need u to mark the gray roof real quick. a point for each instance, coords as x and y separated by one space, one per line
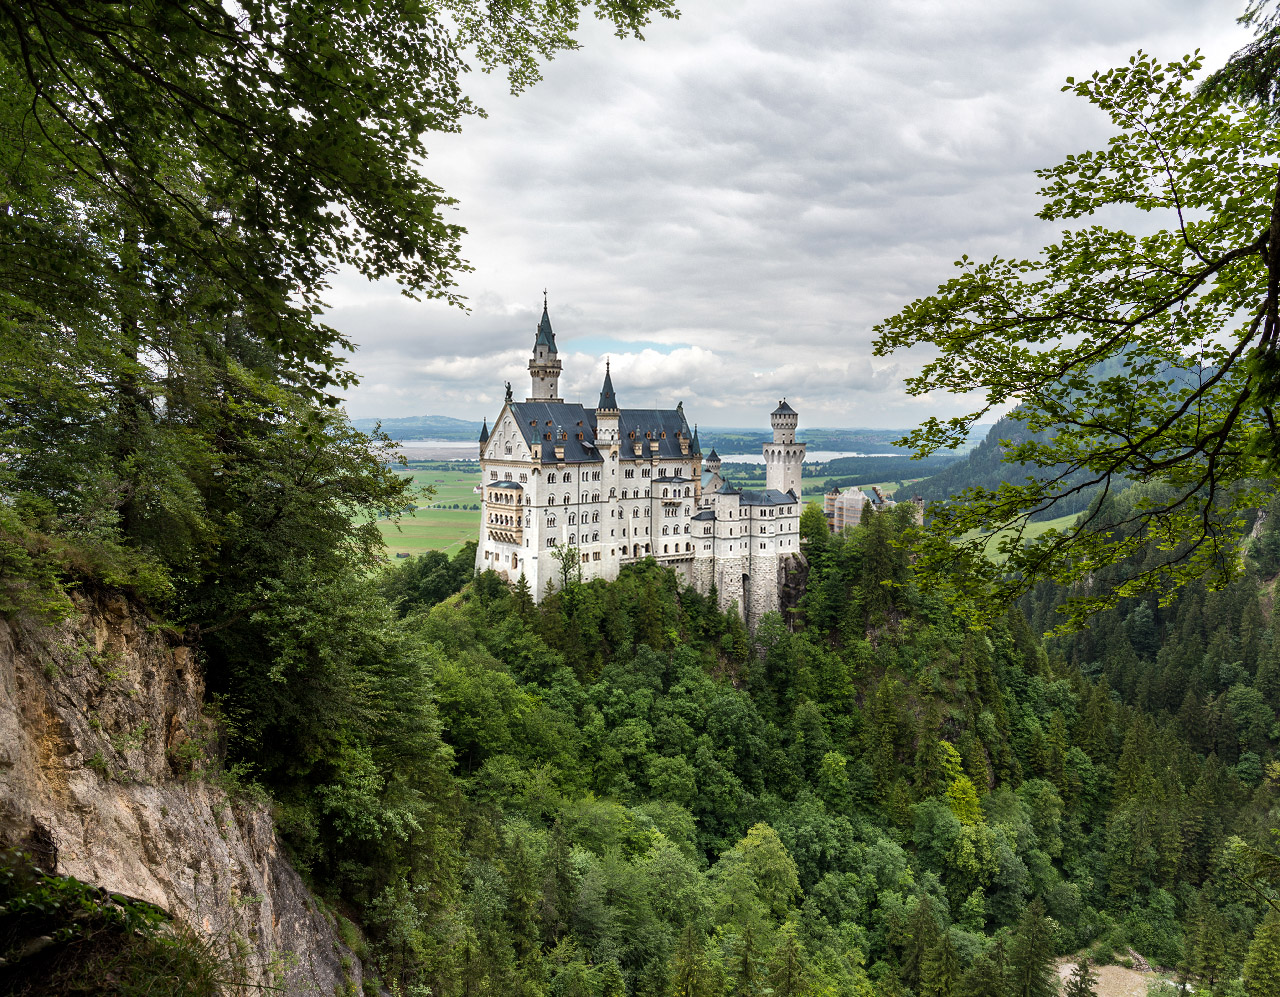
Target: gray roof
654 421
533 419
713 455
608 400
506 484
784 409
770 496
546 337
484 431
704 514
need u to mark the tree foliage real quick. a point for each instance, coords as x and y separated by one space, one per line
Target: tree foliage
1131 358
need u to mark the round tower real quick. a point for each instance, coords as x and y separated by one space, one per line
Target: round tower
784 457
544 365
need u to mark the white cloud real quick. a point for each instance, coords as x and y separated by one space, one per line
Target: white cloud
729 207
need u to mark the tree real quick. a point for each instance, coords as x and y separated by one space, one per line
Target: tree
1031 955
1150 359
941 974
1082 982
1262 964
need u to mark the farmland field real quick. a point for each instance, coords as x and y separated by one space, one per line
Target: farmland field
436 524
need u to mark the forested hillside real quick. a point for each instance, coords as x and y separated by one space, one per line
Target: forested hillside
618 791
984 467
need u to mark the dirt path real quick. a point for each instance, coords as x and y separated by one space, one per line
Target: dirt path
1113 981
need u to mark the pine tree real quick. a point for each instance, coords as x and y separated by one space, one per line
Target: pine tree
924 936
1210 963
788 968
1031 955
940 976
1262 965
989 974
1082 982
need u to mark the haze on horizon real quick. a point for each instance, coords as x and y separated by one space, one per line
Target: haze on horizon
726 209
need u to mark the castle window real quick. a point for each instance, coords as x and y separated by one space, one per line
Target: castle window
551 541
645 472
664 493
665 531
585 558
551 478
566 498
595 536
635 513
524 478
508 448
493 475
573 538
572 519
595 555
507 476
762 546
666 548
629 472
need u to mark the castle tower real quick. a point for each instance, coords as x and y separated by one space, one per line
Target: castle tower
784 456
544 366
607 412
484 435
712 463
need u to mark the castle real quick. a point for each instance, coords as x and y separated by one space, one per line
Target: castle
611 486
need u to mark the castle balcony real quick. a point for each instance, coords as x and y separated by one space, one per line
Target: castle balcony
504 535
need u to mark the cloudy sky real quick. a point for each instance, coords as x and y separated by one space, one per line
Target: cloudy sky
727 208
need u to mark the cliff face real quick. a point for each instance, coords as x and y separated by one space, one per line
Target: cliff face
102 752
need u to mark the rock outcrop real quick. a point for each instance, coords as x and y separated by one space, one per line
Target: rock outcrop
103 769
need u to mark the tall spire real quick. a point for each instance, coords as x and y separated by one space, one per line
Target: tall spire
546 337
608 400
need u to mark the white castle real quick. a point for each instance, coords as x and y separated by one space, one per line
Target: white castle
611 486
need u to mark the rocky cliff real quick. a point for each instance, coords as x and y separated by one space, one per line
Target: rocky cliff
104 768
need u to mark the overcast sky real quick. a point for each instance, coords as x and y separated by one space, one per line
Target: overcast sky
727 208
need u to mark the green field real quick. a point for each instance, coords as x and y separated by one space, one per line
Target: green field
435 524
1032 532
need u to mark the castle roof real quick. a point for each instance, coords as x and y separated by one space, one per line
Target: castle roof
546 337
770 496
704 514
608 400
484 431
783 409
713 455
655 422
538 420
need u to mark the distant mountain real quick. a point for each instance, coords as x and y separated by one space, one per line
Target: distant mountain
983 466
423 427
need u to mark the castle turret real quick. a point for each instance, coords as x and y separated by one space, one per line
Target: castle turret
544 365
607 413
784 457
712 463
484 435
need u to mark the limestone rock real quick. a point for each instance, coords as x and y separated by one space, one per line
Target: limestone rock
103 748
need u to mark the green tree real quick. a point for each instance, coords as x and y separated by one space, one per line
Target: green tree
940 976
1147 359
1082 982
1031 971
1262 964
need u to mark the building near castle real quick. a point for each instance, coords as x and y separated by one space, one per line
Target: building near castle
609 486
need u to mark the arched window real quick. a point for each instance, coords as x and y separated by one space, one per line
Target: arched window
573 538
665 531
595 536
666 548
664 493
566 498
635 513
551 478
572 519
